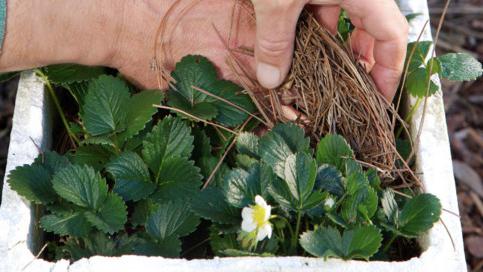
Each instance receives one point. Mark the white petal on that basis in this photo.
(265, 231)
(269, 230)
(268, 213)
(260, 201)
(248, 226)
(247, 214)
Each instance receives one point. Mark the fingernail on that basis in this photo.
(268, 75)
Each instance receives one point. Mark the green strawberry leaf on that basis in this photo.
(389, 206)
(80, 185)
(95, 156)
(169, 247)
(210, 204)
(68, 223)
(105, 106)
(111, 215)
(421, 51)
(419, 215)
(32, 182)
(178, 179)
(170, 138)
(131, 175)
(52, 161)
(459, 67)
(140, 112)
(142, 210)
(241, 187)
(358, 243)
(247, 144)
(295, 191)
(194, 71)
(335, 151)
(281, 142)
(329, 179)
(417, 83)
(171, 219)
(72, 73)
(230, 115)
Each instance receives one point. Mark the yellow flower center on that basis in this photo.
(259, 215)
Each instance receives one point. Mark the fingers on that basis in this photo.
(382, 20)
(363, 46)
(276, 23)
(328, 16)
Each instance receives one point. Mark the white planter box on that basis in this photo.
(20, 238)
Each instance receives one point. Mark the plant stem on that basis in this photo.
(55, 99)
(386, 247)
(295, 235)
(410, 115)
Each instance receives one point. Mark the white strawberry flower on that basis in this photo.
(329, 203)
(256, 219)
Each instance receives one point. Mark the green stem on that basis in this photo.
(386, 247)
(410, 115)
(55, 99)
(295, 235)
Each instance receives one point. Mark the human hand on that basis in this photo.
(380, 37)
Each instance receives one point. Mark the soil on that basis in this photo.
(462, 32)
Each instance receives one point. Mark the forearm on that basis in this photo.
(42, 32)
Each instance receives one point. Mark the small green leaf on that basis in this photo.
(417, 83)
(412, 16)
(71, 73)
(131, 175)
(111, 216)
(418, 58)
(80, 185)
(334, 150)
(178, 179)
(294, 137)
(211, 204)
(171, 219)
(329, 179)
(105, 106)
(389, 206)
(140, 112)
(358, 243)
(419, 214)
(33, 183)
(71, 223)
(170, 138)
(460, 67)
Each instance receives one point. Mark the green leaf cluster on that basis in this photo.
(125, 189)
(421, 67)
(198, 91)
(340, 203)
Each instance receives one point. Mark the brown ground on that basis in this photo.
(463, 31)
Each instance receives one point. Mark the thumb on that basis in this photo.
(276, 23)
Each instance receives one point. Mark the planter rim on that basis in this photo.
(32, 123)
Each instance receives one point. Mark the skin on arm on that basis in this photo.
(380, 37)
(118, 34)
